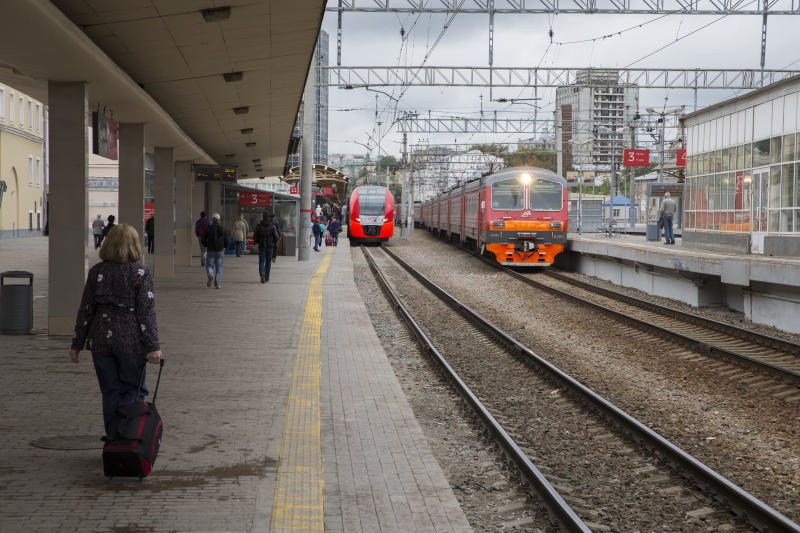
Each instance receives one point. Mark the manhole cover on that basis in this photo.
(69, 442)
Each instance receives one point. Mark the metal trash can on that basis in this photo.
(16, 303)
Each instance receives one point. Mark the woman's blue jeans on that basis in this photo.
(118, 376)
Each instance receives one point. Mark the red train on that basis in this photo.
(371, 210)
(517, 216)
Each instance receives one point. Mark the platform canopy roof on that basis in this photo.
(219, 81)
(323, 176)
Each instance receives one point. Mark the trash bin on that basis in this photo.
(16, 302)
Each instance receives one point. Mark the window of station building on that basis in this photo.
(789, 148)
(21, 111)
(775, 150)
(11, 100)
(30, 170)
(761, 156)
(2, 103)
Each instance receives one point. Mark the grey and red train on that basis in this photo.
(517, 217)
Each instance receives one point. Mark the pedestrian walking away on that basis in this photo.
(97, 230)
(240, 234)
(116, 321)
(316, 230)
(215, 239)
(667, 213)
(335, 227)
(265, 235)
(200, 226)
(150, 231)
(108, 228)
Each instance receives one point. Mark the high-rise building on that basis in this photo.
(320, 109)
(596, 113)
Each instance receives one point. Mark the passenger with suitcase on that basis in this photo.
(117, 322)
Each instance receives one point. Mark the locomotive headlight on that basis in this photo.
(498, 224)
(556, 225)
(525, 179)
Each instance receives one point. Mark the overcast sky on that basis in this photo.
(523, 41)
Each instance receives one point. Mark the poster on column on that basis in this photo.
(104, 136)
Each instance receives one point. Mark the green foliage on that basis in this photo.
(388, 163)
(532, 157)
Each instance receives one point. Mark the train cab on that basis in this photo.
(371, 221)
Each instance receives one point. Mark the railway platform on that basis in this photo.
(281, 413)
(763, 288)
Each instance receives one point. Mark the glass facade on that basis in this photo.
(743, 168)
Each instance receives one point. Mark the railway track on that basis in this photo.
(762, 353)
(605, 470)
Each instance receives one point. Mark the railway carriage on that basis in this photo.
(371, 209)
(517, 216)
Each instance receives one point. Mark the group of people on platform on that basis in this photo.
(214, 240)
(326, 224)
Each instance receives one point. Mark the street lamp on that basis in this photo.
(573, 142)
(662, 120)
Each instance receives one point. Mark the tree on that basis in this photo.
(534, 156)
(388, 163)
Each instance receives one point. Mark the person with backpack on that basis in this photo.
(215, 239)
(265, 235)
(200, 227)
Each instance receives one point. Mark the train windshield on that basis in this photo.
(507, 195)
(372, 204)
(545, 196)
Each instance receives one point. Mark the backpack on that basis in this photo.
(265, 235)
(202, 224)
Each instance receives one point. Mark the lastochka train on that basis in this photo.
(516, 217)
(371, 215)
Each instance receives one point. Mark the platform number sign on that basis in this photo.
(634, 157)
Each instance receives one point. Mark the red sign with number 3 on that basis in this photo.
(634, 157)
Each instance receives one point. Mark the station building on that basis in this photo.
(742, 188)
(22, 163)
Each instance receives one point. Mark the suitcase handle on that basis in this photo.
(158, 379)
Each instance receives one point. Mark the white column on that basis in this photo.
(69, 219)
(184, 224)
(131, 176)
(164, 268)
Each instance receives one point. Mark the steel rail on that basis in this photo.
(558, 509)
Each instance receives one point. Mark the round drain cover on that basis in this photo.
(69, 442)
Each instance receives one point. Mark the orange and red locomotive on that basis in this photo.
(517, 216)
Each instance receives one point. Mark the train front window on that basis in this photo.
(546, 196)
(507, 195)
(371, 204)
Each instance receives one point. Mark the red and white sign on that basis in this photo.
(255, 198)
(680, 158)
(635, 157)
(294, 189)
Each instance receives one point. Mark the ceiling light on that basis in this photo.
(233, 76)
(249, 145)
(243, 110)
(216, 14)
(246, 131)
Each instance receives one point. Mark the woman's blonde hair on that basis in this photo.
(121, 245)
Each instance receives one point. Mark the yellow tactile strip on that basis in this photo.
(298, 500)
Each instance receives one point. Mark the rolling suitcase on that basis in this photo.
(135, 437)
(328, 240)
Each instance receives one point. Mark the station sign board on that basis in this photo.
(680, 157)
(218, 173)
(255, 199)
(635, 157)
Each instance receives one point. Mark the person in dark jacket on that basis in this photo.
(265, 235)
(108, 228)
(216, 240)
(117, 321)
(316, 230)
(335, 227)
(200, 226)
(150, 231)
